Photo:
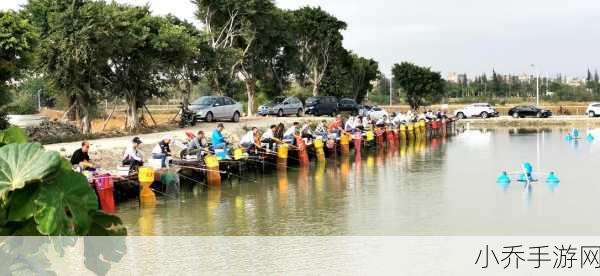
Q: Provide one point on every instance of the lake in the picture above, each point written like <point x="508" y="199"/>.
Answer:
<point x="445" y="187"/>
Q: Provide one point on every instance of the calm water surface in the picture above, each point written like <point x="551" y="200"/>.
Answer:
<point x="446" y="187"/>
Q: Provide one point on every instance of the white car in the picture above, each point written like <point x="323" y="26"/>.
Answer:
<point x="593" y="109"/>
<point x="483" y="110"/>
<point x="377" y="113"/>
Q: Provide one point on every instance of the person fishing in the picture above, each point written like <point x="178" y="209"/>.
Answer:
<point x="199" y="146"/>
<point x="290" y="134"/>
<point x="132" y="156"/>
<point x="217" y="139"/>
<point x="306" y="133"/>
<point x="81" y="157"/>
<point x="321" y="130"/>
<point x="279" y="131"/>
<point x="268" y="139"/>
<point x="336" y="127"/>
<point x="162" y="150"/>
<point x="350" y="125"/>
<point x="248" y="141"/>
<point x="382" y="122"/>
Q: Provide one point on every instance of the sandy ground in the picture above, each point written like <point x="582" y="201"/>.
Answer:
<point x="107" y="152"/>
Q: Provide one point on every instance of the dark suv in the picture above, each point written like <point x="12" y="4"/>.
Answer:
<point x="348" y="105"/>
<point x="322" y="105"/>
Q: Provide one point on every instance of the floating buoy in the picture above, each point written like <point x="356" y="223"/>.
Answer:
<point x="552" y="178"/>
<point x="590" y="137"/>
<point x="503" y="178"/>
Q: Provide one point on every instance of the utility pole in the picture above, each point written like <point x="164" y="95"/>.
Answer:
<point x="537" y="86"/>
<point x="391" y="89"/>
<point x="39" y="96"/>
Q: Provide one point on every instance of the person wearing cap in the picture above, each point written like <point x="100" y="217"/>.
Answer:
<point x="217" y="139"/>
<point x="81" y="157"/>
<point x="132" y="156"/>
<point x="162" y="150"/>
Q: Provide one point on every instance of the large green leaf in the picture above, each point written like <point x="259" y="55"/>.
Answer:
<point x="13" y="135"/>
<point x="21" y="205"/>
<point x="25" y="163"/>
<point x="64" y="205"/>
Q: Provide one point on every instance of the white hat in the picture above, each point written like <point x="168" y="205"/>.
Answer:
<point x="168" y="136"/>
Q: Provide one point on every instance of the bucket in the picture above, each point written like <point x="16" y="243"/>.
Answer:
<point x="220" y="153"/>
<point x="319" y="143"/>
<point x="104" y="186"/>
<point x="344" y="140"/>
<point x="238" y="154"/>
<point x="211" y="161"/>
<point x="370" y="136"/>
<point x="282" y="151"/>
<point x="146" y="174"/>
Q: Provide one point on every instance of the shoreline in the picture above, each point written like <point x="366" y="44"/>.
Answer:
<point x="509" y="122"/>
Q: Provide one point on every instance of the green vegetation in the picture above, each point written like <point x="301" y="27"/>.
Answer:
<point x="510" y="88"/>
<point x="421" y="85"/>
<point x="41" y="195"/>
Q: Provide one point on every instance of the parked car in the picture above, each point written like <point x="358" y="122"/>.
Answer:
<point x="483" y="110"/>
<point x="348" y="105"/>
<point x="529" y="111"/>
<point x="210" y="108"/>
<point x="322" y="105"/>
<point x="593" y="109"/>
<point x="377" y="113"/>
<point x="282" y="106"/>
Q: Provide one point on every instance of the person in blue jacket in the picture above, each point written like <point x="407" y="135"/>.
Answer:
<point x="217" y="139"/>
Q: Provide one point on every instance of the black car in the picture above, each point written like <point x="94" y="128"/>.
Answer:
<point x="322" y="105"/>
<point x="348" y="105"/>
<point x="529" y="111"/>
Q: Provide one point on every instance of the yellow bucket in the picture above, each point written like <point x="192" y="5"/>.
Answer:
<point x="411" y="127"/>
<point x="238" y="154"/>
<point x="319" y="143"/>
<point x="146" y="175"/>
<point x="403" y="128"/>
<point x="344" y="140"/>
<point x="370" y="136"/>
<point x="211" y="161"/>
<point x="282" y="151"/>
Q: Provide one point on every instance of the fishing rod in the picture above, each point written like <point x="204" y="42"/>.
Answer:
<point x="219" y="171"/>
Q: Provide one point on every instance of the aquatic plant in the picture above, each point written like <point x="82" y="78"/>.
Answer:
<point x="41" y="195"/>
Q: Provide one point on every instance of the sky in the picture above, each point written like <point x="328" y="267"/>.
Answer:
<point x="463" y="36"/>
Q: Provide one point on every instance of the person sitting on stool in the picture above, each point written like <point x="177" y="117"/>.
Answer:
<point x="162" y="150"/>
<point x="81" y="157"/>
<point x="132" y="156"/>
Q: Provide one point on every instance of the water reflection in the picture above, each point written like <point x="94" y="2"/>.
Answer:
<point x="418" y="187"/>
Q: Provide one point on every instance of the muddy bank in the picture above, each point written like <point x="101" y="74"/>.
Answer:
<point x="557" y="121"/>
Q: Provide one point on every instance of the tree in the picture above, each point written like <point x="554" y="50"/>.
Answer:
<point x="145" y="49"/>
<point x="17" y="40"/>
<point x="318" y="35"/>
<point x="74" y="48"/>
<point x="420" y="84"/>
<point x="363" y="73"/>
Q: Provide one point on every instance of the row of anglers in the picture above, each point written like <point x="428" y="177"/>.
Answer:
<point x="325" y="134"/>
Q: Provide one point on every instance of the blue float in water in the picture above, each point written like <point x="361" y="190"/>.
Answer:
<point x="569" y="137"/>
<point x="552" y="178"/>
<point x="590" y="137"/>
<point x="575" y="133"/>
<point x="503" y="178"/>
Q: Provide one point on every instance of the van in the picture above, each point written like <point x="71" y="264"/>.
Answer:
<point x="322" y="105"/>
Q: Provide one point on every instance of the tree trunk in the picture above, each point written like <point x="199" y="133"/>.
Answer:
<point x="316" y="87"/>
<point x="86" y="122"/>
<point x="133" y="119"/>
<point x="215" y="84"/>
<point x="251" y="92"/>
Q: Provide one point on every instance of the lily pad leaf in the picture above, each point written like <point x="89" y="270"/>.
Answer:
<point x="21" y="205"/>
<point x="13" y="135"/>
<point x="25" y="163"/>
<point x="64" y="205"/>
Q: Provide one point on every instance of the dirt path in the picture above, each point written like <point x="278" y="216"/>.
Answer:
<point x="107" y="152"/>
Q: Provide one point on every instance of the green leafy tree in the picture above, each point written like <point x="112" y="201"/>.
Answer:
<point x="363" y="72"/>
<point x="318" y="35"/>
<point x="74" y="49"/>
<point x="421" y="85"/>
<point x="17" y="40"/>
